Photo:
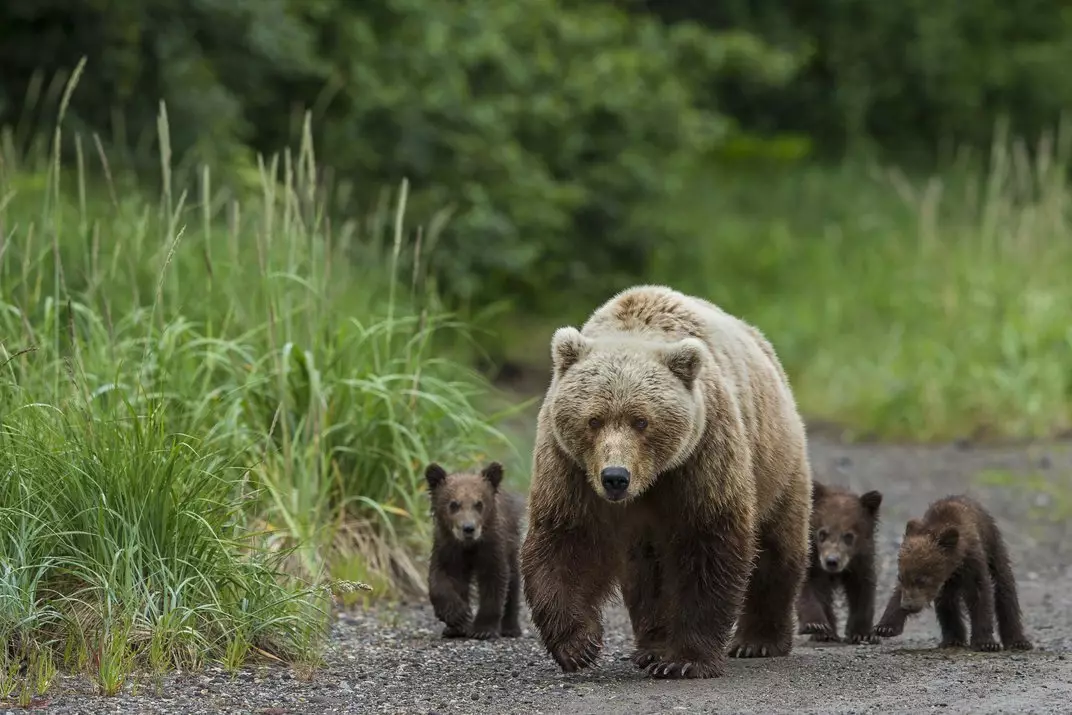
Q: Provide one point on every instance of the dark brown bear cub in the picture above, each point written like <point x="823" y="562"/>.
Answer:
<point x="956" y="552"/>
<point x="477" y="534"/>
<point x="842" y="556"/>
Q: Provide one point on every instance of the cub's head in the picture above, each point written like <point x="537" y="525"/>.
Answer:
<point x="842" y="525"/>
<point x="626" y="411"/>
<point x="926" y="560"/>
<point x="463" y="503"/>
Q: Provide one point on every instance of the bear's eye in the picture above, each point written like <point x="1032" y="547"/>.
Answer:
<point x="640" y="424"/>
<point x="595" y="423"/>
<point x="822" y="534"/>
<point x="478" y="506"/>
<point x="455" y="506"/>
<point x="848" y="539"/>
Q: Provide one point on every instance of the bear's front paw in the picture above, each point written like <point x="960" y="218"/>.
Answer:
<point x="690" y="669"/>
<point x="511" y="631"/>
<point x="952" y="643"/>
<point x="455" y="632"/>
<point x="887" y="630"/>
<point x="815" y="628"/>
<point x="579" y="651"/>
<point x="757" y="649"/>
<point x="824" y="638"/>
<point x="863" y="638"/>
<point x="485" y="629"/>
<point x="1021" y="644"/>
<point x="987" y="645"/>
<point x="643" y="657"/>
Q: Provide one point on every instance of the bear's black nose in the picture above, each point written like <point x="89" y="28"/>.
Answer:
<point x="468" y="528"/>
<point x="832" y="562"/>
<point x="615" y="481"/>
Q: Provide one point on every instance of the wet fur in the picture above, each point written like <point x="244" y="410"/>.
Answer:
<point x="956" y="555"/>
<point x="491" y="560"/>
<point x="837" y="512"/>
<point x="715" y="528"/>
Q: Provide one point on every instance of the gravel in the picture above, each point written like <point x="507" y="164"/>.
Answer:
<point x="393" y="660"/>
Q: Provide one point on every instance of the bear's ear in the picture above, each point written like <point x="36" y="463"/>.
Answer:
<point x="684" y="359"/>
<point x="818" y="491"/>
<point x="493" y="473"/>
<point x="871" y="501"/>
<point x="913" y="526"/>
<point x="568" y="346"/>
<point x="434" y="475"/>
<point x="948" y="537"/>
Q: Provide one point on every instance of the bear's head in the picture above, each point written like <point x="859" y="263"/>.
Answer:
<point x="842" y="525"/>
<point x="463" y="503"/>
<point x="626" y="411"/>
<point x="927" y="558"/>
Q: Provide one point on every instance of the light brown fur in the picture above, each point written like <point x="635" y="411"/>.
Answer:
<point x="477" y="535"/>
<point x="956" y="553"/>
<point x="710" y="525"/>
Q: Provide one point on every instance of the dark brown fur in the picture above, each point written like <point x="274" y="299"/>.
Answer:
<point x="956" y="553"/>
<point x="842" y="557"/>
<point x="712" y="529"/>
<point x="473" y="501"/>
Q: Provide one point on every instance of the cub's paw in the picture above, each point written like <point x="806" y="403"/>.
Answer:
<point x="952" y="643"/>
<point x="1022" y="644"/>
<point x="455" y="632"/>
<point x="757" y="649"/>
<point x="887" y="630"/>
<point x="511" y="631"/>
<point x="986" y="646"/>
<point x="824" y="638"/>
<point x="690" y="669"/>
<point x="579" y="651"/>
<point x="863" y="638"/>
<point x="815" y="628"/>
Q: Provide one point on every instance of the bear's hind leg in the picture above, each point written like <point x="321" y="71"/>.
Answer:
<point x="766" y="625"/>
<point x="641" y="588"/>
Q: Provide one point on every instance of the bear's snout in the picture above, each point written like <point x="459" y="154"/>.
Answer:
<point x="615" y="482"/>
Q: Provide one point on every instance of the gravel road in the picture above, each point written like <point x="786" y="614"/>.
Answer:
<point x="393" y="661"/>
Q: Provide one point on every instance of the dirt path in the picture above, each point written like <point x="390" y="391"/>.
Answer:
<point x="395" y="662"/>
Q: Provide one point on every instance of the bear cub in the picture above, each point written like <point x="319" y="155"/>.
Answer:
<point x="477" y="535"/>
<point x="956" y="553"/>
<point x="842" y="557"/>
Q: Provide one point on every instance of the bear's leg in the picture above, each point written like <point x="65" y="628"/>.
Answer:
<point x="766" y="624"/>
<point x="1006" y="602"/>
<point x="860" y="594"/>
<point x="511" y="625"/>
<point x="567" y="575"/>
<point x="893" y="618"/>
<point x="706" y="575"/>
<point x="947" y="610"/>
<point x="979" y="598"/>
<point x="448" y="590"/>
<point x="641" y="588"/>
<point x="815" y="612"/>
<point x="493" y="578"/>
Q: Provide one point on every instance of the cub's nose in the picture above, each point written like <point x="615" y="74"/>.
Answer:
<point x="832" y="562"/>
<point x="468" y="529"/>
<point x="615" y="482"/>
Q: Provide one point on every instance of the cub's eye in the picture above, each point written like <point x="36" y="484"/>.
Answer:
<point x="455" y="506"/>
<point x="640" y="424"/>
<point x="848" y="539"/>
<point x="822" y="534"/>
<point x="595" y="423"/>
<point x="479" y="505"/>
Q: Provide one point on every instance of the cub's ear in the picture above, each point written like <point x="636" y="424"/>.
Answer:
<point x="914" y="526"/>
<point x="493" y="473"/>
<point x="871" y="501"/>
<point x="684" y="359"/>
<point x="568" y="346"/>
<point x="818" y="491"/>
<point x="434" y="475"/>
<point x="948" y="537"/>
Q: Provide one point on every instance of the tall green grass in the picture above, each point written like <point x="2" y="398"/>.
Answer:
<point x="904" y="308"/>
<point x="214" y="409"/>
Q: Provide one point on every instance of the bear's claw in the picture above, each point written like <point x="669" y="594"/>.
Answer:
<point x="887" y="631"/>
<point x="988" y="646"/>
<point x="693" y="669"/>
<point x="1022" y="644"/>
<point x="815" y="628"/>
<point x="455" y="632"/>
<point x="643" y="657"/>
<point x="863" y="639"/>
<point x="952" y="643"/>
<point x="571" y="659"/>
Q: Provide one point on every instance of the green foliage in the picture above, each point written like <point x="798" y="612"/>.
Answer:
<point x="208" y="410"/>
